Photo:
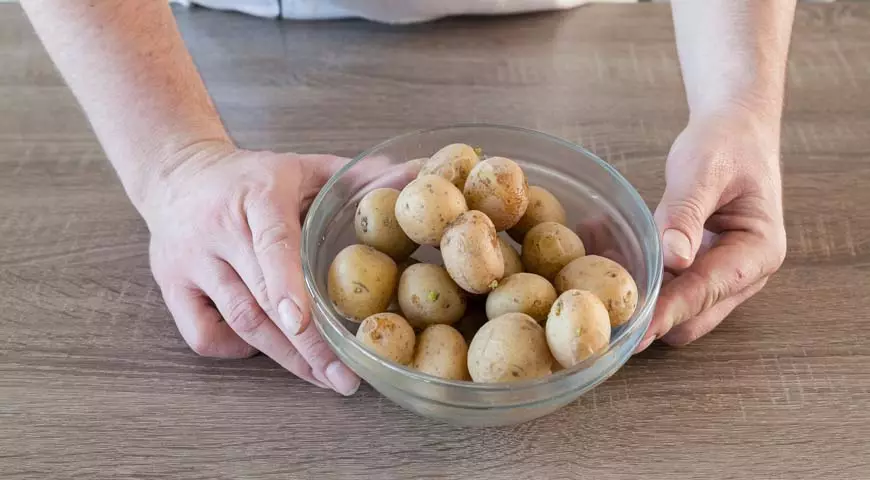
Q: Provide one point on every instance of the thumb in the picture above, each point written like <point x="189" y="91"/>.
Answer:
<point x="680" y="218"/>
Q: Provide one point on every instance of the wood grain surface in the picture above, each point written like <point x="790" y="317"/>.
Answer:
<point x="95" y="382"/>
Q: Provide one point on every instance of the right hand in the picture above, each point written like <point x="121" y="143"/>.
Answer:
<point x="225" y="250"/>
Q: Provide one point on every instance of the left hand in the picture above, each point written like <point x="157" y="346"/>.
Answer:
<point x="720" y="220"/>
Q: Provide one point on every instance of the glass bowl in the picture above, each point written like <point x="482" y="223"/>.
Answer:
<point x="606" y="210"/>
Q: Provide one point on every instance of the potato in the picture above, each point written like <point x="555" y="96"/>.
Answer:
<point x="471" y="252"/>
<point x="512" y="262"/>
<point x="400" y="269"/>
<point x="441" y="352"/>
<point x="548" y="247"/>
<point x="389" y="336"/>
<point x="497" y="187"/>
<point x="522" y="292"/>
<point x="427" y="295"/>
<point x="543" y="207"/>
<point x="425" y="207"/>
<point x="361" y="281"/>
<point x="608" y="280"/>
<point x="577" y="327"/>
<point x="376" y="225"/>
<point x="452" y="162"/>
<point x="509" y="348"/>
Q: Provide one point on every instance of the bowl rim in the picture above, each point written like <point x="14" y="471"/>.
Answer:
<point x="333" y="321"/>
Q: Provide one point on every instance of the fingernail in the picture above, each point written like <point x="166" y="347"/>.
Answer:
<point x="677" y="243"/>
<point x="645" y="343"/>
<point x="343" y="380"/>
<point x="289" y="315"/>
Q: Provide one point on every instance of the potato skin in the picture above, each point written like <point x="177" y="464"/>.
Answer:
<point x="543" y="207"/>
<point x="441" y="352"/>
<point x="471" y="252"/>
<point x="608" y="280"/>
<point x="522" y="292"/>
<point x="509" y="348"/>
<point x="548" y="247"/>
<point x="577" y="328"/>
<point x="427" y="295"/>
<point x="400" y="269"/>
<point x="497" y="187"/>
<point x="389" y="336"/>
<point x="375" y="224"/>
<point x="453" y="162"/>
<point x="426" y="206"/>
<point x="361" y="281"/>
<point x="512" y="261"/>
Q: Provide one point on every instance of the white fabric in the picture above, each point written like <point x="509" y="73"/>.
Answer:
<point x="388" y="11"/>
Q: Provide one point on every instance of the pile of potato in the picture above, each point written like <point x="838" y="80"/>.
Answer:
<point x="549" y="307"/>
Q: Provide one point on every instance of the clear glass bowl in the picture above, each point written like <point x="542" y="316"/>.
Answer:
<point x="607" y="211"/>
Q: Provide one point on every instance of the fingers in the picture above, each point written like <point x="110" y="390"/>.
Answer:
<point x="379" y="172"/>
<point x="599" y="237"/>
<point x="202" y="326"/>
<point x="371" y="172"/>
<point x="325" y="366"/>
<point x="324" y="363"/>
<point x="695" y="328"/>
<point x="275" y="264"/>
<point x="680" y="218"/>
<point x="243" y="314"/>
<point x="275" y="236"/>
<point x="323" y="166"/>
<point x="737" y="261"/>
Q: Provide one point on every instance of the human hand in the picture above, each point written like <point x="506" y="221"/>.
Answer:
<point x="720" y="220"/>
<point x="225" y="250"/>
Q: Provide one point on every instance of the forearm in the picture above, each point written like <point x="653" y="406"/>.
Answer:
<point x="127" y="65"/>
<point x="733" y="52"/>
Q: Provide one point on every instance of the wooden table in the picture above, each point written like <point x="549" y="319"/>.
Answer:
<point x="96" y="383"/>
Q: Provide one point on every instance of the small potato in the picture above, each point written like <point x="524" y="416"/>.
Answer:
<point x="452" y="162"/>
<point x="400" y="269"/>
<point x="427" y="295"/>
<point x="376" y="225"/>
<point x="608" y="280"/>
<point x="361" y="281"/>
<point x="509" y="348"/>
<point x="471" y="252"/>
<point x="543" y="207"/>
<point x="497" y="187"/>
<point x="522" y="292"/>
<point x="512" y="262"/>
<point x="441" y="351"/>
<point x="577" y="328"/>
<point x="389" y="336"/>
<point x="425" y="207"/>
<point x="548" y="247"/>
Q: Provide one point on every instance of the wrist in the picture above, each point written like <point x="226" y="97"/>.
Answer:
<point x="764" y="110"/>
<point x="151" y="181"/>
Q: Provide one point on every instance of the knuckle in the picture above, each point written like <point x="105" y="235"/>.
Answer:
<point x="244" y="316"/>
<point x="708" y="291"/>
<point x="210" y="343"/>
<point x="684" y="336"/>
<point x="203" y="344"/>
<point x="276" y="235"/>
<point x="260" y="291"/>
<point x="314" y="349"/>
<point x="688" y="212"/>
